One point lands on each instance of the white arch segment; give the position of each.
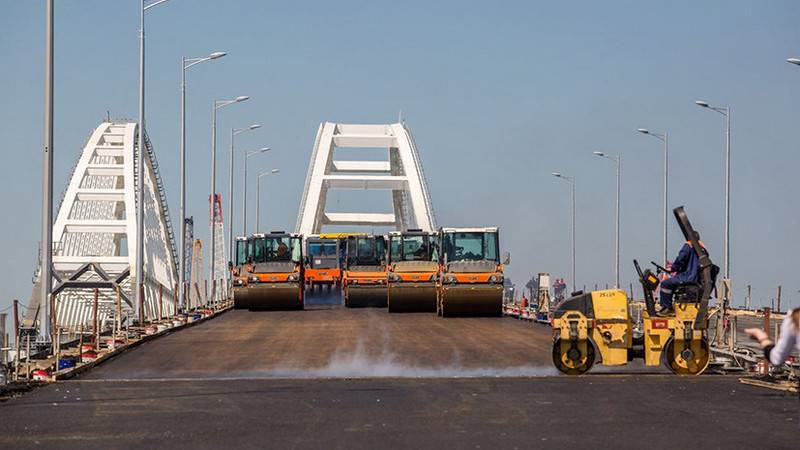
(96, 224)
(401, 174)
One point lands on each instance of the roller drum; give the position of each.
(365, 296)
(412, 297)
(274, 297)
(472, 300)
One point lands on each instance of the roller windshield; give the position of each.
(471, 246)
(276, 249)
(322, 249)
(413, 248)
(241, 253)
(366, 251)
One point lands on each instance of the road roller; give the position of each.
(274, 274)
(364, 277)
(413, 270)
(597, 326)
(239, 267)
(322, 264)
(471, 274)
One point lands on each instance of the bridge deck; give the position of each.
(214, 386)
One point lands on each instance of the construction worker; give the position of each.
(788, 340)
(685, 270)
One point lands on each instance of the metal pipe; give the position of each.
(45, 275)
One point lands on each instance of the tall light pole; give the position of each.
(663, 137)
(244, 189)
(725, 111)
(186, 63)
(143, 7)
(217, 105)
(571, 181)
(234, 132)
(258, 195)
(618, 161)
(45, 270)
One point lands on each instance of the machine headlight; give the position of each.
(449, 279)
(293, 277)
(394, 277)
(496, 278)
(254, 279)
(238, 282)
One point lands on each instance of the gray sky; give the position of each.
(497, 97)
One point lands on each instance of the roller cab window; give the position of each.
(413, 248)
(471, 246)
(366, 251)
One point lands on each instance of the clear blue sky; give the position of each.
(498, 97)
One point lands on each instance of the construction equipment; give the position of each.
(274, 273)
(413, 271)
(600, 322)
(364, 278)
(239, 266)
(471, 274)
(323, 263)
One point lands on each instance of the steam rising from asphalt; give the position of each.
(358, 364)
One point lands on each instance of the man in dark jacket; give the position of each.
(685, 270)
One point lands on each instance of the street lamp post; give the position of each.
(618, 162)
(244, 188)
(258, 194)
(725, 111)
(663, 137)
(186, 63)
(234, 132)
(139, 287)
(571, 181)
(217, 105)
(45, 270)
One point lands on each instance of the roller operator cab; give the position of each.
(413, 271)
(597, 326)
(364, 279)
(471, 276)
(322, 268)
(239, 265)
(275, 273)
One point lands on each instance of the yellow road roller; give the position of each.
(413, 271)
(597, 326)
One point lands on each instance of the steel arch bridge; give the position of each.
(95, 238)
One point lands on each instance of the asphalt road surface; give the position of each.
(337, 378)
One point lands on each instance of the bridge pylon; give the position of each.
(401, 173)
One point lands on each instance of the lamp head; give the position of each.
(275, 170)
(254, 126)
(217, 55)
(241, 98)
(643, 131)
(557, 174)
(794, 61)
(701, 104)
(599, 153)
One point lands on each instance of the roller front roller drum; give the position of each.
(365, 297)
(412, 297)
(689, 359)
(471, 300)
(573, 358)
(273, 297)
